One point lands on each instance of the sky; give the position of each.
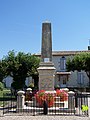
(21, 25)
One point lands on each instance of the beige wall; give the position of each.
(73, 80)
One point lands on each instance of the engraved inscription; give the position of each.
(46, 84)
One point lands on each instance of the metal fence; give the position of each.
(9, 103)
(74, 105)
(81, 103)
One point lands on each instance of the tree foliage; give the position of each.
(80, 62)
(2, 71)
(19, 67)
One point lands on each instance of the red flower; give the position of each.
(50, 99)
(41, 96)
(62, 94)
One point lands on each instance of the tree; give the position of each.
(19, 67)
(80, 62)
(2, 71)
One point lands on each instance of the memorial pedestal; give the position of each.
(46, 76)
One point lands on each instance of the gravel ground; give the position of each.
(43, 118)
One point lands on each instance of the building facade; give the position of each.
(68, 79)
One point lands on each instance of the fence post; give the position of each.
(20, 101)
(34, 106)
(71, 100)
(89, 105)
(45, 107)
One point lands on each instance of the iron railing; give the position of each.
(75, 105)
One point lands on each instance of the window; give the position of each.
(63, 63)
(64, 81)
(80, 78)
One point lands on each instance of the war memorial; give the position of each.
(47, 100)
(46, 69)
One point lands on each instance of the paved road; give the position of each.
(43, 118)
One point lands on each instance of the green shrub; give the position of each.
(31, 85)
(57, 87)
(1, 86)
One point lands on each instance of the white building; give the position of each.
(9, 80)
(68, 79)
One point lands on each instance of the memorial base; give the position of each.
(46, 76)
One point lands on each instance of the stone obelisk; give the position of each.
(46, 50)
(46, 69)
